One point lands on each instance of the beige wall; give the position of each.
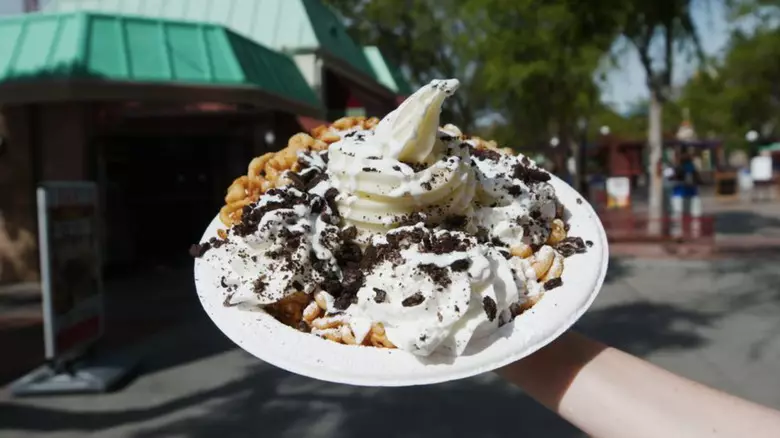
(53, 136)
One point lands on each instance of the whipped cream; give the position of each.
(429, 299)
(407, 225)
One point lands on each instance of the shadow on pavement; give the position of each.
(275, 403)
(642, 328)
(264, 401)
(746, 222)
(618, 269)
(270, 402)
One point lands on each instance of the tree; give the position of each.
(739, 93)
(411, 34)
(668, 25)
(539, 60)
(750, 74)
(527, 63)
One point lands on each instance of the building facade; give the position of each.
(163, 106)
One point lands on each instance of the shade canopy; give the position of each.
(87, 55)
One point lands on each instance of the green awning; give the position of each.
(290, 26)
(387, 73)
(774, 147)
(84, 47)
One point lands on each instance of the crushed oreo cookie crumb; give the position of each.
(515, 309)
(315, 178)
(295, 180)
(486, 154)
(490, 308)
(552, 284)
(417, 167)
(199, 250)
(348, 233)
(530, 174)
(380, 296)
(454, 223)
(514, 190)
(460, 265)
(570, 246)
(414, 300)
(412, 219)
(259, 286)
(439, 275)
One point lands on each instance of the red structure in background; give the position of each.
(619, 157)
(616, 157)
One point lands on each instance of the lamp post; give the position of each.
(752, 137)
(581, 178)
(555, 155)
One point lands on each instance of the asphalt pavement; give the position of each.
(712, 321)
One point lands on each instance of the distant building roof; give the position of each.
(292, 26)
(387, 73)
(97, 47)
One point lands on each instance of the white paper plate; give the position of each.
(306, 354)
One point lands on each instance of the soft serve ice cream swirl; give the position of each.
(402, 167)
(405, 225)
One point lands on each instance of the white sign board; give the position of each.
(70, 266)
(618, 192)
(761, 168)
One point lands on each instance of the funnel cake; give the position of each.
(396, 233)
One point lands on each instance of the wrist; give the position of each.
(547, 374)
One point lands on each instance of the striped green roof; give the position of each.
(387, 73)
(292, 26)
(135, 49)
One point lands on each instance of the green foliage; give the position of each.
(531, 62)
(538, 61)
(529, 65)
(421, 36)
(741, 93)
(664, 23)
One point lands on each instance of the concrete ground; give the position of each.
(712, 321)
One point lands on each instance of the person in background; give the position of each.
(685, 196)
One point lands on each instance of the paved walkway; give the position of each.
(741, 228)
(715, 322)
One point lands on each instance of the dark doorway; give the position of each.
(161, 192)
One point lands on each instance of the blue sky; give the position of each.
(8, 7)
(625, 83)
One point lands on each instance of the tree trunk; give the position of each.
(655, 145)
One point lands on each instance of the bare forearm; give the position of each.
(609, 393)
